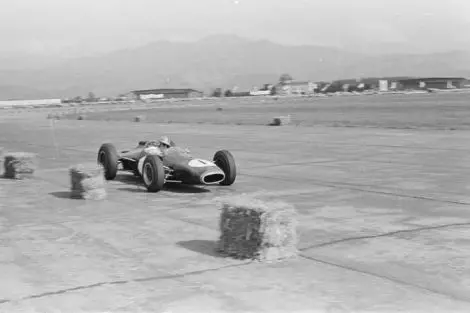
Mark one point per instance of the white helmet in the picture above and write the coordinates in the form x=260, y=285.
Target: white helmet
x=165, y=140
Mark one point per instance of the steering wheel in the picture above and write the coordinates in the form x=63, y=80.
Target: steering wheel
x=151, y=144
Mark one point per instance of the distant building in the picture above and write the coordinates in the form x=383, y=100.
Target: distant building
x=375, y=82
x=292, y=87
x=383, y=85
x=432, y=82
x=341, y=85
x=38, y=103
x=240, y=94
x=165, y=94
x=260, y=92
x=397, y=83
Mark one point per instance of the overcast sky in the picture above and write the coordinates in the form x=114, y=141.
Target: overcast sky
x=89, y=26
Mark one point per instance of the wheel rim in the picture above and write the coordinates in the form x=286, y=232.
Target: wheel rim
x=148, y=174
x=102, y=158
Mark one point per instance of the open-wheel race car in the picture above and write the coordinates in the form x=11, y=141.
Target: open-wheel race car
x=176, y=165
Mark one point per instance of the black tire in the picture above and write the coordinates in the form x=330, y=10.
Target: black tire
x=108, y=157
x=226, y=162
x=153, y=173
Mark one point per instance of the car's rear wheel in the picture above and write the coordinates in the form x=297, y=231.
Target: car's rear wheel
x=108, y=158
x=153, y=173
x=226, y=162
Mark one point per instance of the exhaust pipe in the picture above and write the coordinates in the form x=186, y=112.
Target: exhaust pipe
x=211, y=178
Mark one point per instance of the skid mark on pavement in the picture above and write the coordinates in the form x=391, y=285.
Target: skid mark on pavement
x=122, y=282
x=272, y=194
x=342, y=185
x=389, y=234
x=391, y=279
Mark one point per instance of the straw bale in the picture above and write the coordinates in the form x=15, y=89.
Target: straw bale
x=81, y=117
x=255, y=229
x=276, y=121
x=20, y=165
x=281, y=120
x=87, y=182
x=139, y=118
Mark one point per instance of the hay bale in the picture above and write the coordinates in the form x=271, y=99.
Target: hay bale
x=281, y=120
x=139, y=118
x=87, y=182
x=81, y=117
x=276, y=121
x=19, y=165
x=253, y=229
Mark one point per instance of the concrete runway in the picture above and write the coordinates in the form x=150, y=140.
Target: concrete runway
x=384, y=223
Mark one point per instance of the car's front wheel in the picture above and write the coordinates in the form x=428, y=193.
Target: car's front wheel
x=226, y=162
x=108, y=158
x=153, y=173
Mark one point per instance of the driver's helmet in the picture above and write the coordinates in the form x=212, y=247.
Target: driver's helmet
x=164, y=140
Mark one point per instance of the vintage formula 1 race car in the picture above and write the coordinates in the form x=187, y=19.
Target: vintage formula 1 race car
x=175, y=166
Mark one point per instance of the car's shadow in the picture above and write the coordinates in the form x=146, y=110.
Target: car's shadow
x=138, y=186
x=135, y=185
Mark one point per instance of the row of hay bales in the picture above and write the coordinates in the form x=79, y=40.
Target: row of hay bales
x=87, y=181
x=249, y=227
x=58, y=115
x=277, y=121
x=81, y=115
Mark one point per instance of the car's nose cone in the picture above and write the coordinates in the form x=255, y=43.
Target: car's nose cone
x=211, y=177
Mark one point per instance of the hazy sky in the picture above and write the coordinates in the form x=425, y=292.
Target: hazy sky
x=89, y=26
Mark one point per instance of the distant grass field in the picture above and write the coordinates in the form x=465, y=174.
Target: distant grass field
x=430, y=111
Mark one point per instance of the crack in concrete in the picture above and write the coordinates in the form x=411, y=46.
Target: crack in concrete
x=331, y=163
x=192, y=273
x=292, y=164
x=310, y=162
x=338, y=143
x=346, y=186
x=388, y=234
x=391, y=279
x=123, y=282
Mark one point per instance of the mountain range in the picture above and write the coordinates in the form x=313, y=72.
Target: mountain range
x=221, y=61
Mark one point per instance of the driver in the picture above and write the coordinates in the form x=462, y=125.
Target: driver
x=162, y=146
x=164, y=143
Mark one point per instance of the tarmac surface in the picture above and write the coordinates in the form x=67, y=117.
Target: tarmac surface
x=385, y=222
